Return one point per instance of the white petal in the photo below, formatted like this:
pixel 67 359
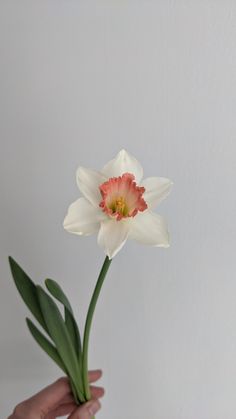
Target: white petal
pixel 149 228
pixel 82 218
pixel 156 189
pixel 123 163
pixel 112 236
pixel 88 182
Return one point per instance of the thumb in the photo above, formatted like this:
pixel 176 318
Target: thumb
pixel 87 410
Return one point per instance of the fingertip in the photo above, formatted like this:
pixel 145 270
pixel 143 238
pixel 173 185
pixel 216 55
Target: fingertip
pixel 95 375
pixel 102 391
pixel 99 371
pixel 97 392
pixel 94 407
pixel 86 410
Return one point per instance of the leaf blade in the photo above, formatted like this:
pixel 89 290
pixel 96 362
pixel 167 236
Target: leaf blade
pixel 57 292
pixel 70 321
pixel 75 334
pixel 61 338
pixel 27 290
pixel 45 344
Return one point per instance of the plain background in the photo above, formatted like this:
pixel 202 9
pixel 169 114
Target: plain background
pixel 79 81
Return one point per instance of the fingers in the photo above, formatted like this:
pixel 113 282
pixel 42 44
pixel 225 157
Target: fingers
pixel 63 409
pixel 68 405
pixel 59 393
pixel 48 399
pixel 67 399
pixel 97 392
pixel 87 410
pixel 94 375
pixel 58 396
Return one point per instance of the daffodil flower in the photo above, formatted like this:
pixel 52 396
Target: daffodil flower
pixel 117 204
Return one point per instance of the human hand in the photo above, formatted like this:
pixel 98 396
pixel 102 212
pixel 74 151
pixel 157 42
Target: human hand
pixel 57 400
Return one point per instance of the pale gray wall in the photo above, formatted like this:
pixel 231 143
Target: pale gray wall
pixel 80 80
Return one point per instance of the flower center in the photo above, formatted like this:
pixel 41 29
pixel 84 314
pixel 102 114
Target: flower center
pixel 121 197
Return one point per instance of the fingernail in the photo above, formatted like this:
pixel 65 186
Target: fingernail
pixel 94 407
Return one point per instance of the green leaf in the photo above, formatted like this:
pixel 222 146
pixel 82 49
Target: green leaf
pixel 61 338
pixel 56 291
pixel 45 344
pixel 74 334
pixel 27 290
pixel 72 327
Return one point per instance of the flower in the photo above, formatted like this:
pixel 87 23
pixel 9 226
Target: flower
pixel 118 205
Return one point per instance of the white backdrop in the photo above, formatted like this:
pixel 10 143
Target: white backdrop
pixel 80 80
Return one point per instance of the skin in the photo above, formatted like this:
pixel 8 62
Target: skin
pixel 57 400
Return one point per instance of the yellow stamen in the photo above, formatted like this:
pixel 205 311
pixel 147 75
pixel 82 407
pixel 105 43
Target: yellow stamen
pixel 119 205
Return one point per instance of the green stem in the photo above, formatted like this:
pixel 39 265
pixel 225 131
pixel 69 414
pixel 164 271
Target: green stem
pixel 88 323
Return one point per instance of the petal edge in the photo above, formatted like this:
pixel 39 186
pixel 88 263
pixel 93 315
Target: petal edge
pixel 88 181
pixel 82 218
pixel 150 228
pixel 156 190
pixel 112 236
pixel 123 163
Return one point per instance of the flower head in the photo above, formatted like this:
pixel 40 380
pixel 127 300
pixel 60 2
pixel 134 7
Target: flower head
pixel 118 205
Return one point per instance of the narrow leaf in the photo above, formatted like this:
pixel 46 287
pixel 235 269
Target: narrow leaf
pixel 61 338
pixel 27 290
pixel 71 324
pixel 74 334
pixel 56 291
pixel 45 344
